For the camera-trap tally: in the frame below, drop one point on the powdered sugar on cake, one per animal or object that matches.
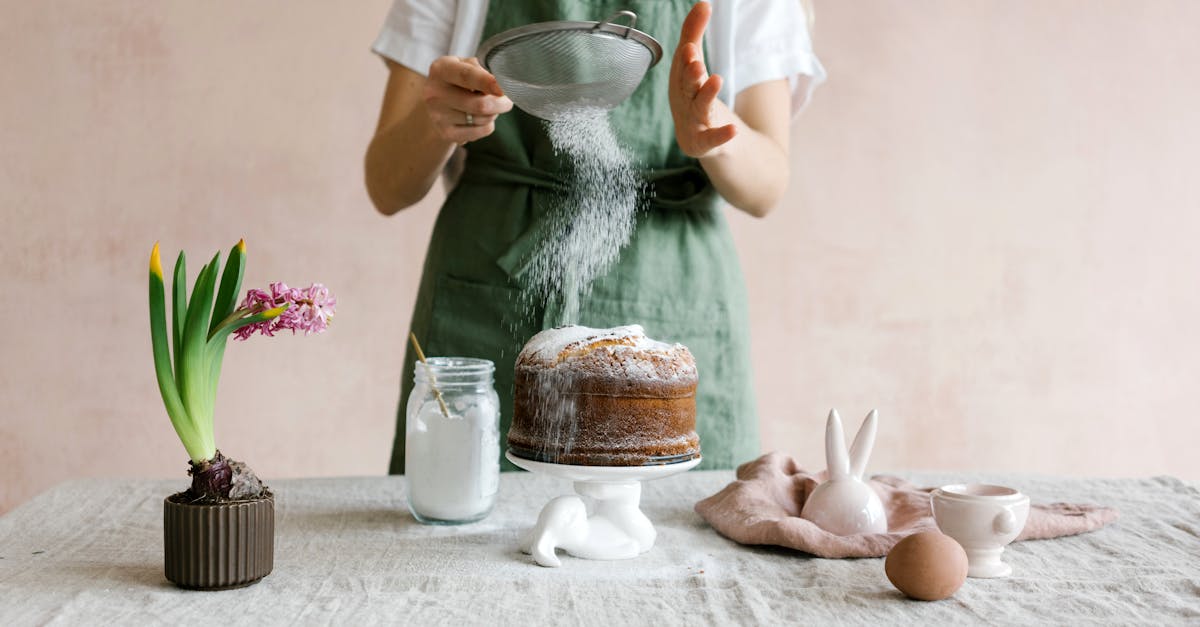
(623, 351)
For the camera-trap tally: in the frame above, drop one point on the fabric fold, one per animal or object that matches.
(763, 507)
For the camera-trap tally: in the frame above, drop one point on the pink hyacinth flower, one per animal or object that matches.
(309, 309)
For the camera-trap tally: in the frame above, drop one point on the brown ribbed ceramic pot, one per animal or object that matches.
(213, 547)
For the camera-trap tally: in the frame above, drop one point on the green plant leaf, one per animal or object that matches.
(194, 388)
(231, 285)
(180, 419)
(178, 306)
(215, 358)
(217, 339)
(227, 296)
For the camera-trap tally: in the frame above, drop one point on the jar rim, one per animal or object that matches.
(460, 365)
(455, 370)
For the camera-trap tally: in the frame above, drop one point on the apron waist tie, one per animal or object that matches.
(684, 188)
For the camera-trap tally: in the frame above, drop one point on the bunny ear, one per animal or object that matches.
(860, 451)
(835, 447)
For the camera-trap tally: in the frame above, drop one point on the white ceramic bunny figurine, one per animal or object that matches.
(844, 504)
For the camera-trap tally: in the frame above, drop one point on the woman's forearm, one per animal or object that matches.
(403, 162)
(407, 153)
(750, 171)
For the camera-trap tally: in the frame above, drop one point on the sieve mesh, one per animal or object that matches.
(554, 68)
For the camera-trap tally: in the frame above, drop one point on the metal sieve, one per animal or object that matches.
(549, 69)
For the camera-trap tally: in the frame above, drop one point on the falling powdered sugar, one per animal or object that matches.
(594, 216)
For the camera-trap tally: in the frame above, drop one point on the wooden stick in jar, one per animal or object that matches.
(429, 371)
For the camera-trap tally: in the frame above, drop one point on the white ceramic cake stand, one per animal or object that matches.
(601, 521)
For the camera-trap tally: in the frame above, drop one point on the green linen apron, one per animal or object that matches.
(679, 276)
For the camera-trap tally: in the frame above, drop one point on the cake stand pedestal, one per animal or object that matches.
(601, 521)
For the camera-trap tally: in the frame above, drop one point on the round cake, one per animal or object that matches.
(604, 397)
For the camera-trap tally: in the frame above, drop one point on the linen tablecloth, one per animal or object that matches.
(348, 552)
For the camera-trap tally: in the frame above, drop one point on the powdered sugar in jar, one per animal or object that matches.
(452, 463)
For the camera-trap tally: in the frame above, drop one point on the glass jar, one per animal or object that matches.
(452, 447)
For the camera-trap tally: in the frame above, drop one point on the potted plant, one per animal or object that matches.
(219, 533)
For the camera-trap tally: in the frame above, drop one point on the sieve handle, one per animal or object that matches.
(616, 16)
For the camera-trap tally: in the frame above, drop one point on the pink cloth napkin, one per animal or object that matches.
(763, 507)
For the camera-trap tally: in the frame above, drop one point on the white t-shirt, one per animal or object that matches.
(748, 41)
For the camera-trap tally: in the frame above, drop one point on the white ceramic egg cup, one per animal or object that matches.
(983, 519)
(601, 521)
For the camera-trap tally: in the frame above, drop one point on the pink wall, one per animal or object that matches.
(990, 235)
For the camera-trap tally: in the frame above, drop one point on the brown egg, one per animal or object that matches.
(929, 566)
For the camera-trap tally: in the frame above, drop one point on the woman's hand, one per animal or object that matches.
(421, 121)
(702, 124)
(462, 99)
(743, 151)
